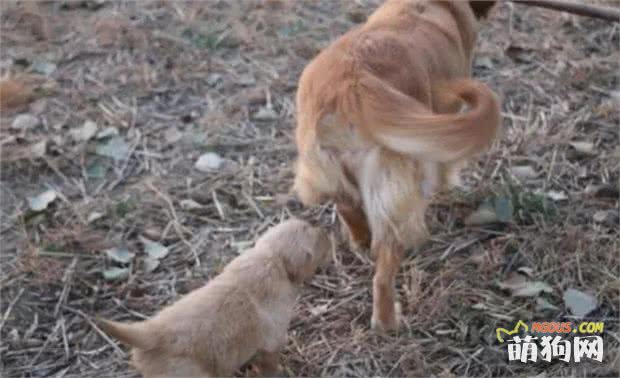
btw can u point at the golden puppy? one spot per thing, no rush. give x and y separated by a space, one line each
380 126
241 314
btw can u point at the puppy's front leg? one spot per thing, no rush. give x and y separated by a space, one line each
267 363
386 310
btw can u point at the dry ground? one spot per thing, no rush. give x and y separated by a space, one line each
179 79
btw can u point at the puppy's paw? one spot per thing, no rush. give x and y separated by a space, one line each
392 324
265 371
265 364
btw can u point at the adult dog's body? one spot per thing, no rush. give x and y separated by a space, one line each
379 127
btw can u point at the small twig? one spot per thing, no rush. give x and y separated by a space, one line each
66 279
580 9
331 309
44 346
132 312
218 206
97 329
10 308
161 35
456 248
253 204
65 341
178 227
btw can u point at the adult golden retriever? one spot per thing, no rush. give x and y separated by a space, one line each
381 126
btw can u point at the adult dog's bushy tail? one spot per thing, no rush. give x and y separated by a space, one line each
405 125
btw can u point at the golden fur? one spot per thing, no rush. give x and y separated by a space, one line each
381 126
241 314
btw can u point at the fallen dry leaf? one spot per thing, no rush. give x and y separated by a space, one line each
208 162
520 286
523 172
120 254
25 122
579 303
153 249
484 215
41 201
115 273
557 195
584 147
85 132
115 148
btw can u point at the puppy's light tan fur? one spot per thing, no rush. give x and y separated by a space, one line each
380 128
242 313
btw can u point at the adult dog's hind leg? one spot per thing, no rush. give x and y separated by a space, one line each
386 310
393 200
354 218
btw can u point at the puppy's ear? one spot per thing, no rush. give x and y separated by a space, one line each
312 250
323 247
481 8
298 264
136 334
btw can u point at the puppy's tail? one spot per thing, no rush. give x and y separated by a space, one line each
405 125
133 334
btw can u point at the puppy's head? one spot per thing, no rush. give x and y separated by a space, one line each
302 248
481 8
152 354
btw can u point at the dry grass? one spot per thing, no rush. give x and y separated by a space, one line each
179 79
